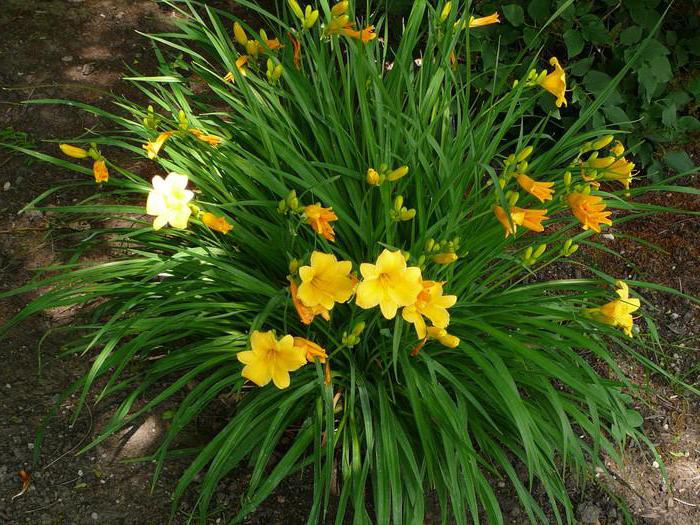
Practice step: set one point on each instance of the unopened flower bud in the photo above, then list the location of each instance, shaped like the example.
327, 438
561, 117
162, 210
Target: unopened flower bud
340, 8
446, 9
445, 258
525, 153
602, 142
397, 173
239, 34
373, 178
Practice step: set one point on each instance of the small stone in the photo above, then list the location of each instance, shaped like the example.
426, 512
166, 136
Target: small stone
590, 514
655, 464
88, 68
94, 516
6, 186
67, 58
80, 473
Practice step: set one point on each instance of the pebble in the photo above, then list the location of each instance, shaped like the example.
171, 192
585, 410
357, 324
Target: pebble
590, 514
94, 516
67, 58
6, 186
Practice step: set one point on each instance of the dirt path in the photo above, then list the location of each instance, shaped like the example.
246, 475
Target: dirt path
79, 49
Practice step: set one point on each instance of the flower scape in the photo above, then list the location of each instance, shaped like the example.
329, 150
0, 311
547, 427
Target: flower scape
346, 230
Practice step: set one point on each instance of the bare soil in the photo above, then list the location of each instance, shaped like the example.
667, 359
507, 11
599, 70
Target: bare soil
79, 49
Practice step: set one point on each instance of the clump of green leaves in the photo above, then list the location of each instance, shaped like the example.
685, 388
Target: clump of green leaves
656, 103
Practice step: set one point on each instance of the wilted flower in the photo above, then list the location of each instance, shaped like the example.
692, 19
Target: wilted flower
306, 314
311, 349
219, 224
99, 170
320, 219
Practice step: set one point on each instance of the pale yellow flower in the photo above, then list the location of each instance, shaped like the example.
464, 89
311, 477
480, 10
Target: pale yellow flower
219, 224
169, 201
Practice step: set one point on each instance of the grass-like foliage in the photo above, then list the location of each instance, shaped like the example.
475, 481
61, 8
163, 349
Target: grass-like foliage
360, 197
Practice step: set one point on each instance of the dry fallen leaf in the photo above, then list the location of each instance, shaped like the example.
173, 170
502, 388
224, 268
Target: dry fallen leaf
26, 480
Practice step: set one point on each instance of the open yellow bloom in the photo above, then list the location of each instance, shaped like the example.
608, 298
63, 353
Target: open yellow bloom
320, 218
555, 82
589, 210
431, 304
73, 151
271, 359
306, 314
99, 170
484, 20
617, 313
529, 218
326, 281
389, 284
542, 191
311, 349
219, 224
168, 201
153, 147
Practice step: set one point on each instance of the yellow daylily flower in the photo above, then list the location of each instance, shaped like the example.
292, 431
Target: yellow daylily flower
589, 210
555, 82
320, 218
99, 170
73, 151
271, 359
219, 224
529, 218
431, 303
389, 284
311, 349
169, 201
326, 281
542, 191
617, 313
153, 147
